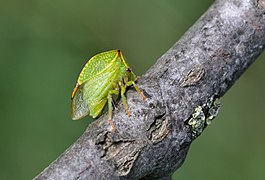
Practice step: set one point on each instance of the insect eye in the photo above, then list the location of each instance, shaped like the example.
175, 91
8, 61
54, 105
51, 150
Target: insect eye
128, 70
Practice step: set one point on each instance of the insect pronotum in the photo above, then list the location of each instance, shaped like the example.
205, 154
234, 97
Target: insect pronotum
104, 75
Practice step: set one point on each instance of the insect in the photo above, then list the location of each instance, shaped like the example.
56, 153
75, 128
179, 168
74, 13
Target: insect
104, 75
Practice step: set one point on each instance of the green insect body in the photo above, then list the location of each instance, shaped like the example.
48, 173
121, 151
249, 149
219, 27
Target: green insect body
104, 75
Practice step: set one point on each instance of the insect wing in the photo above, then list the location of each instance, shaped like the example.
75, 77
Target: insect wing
96, 64
79, 105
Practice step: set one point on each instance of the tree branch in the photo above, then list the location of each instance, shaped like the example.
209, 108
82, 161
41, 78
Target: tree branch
154, 141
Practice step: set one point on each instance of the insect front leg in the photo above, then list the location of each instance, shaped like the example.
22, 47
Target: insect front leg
129, 83
110, 93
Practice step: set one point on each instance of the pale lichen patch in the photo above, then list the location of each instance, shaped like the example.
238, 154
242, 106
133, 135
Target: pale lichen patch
203, 116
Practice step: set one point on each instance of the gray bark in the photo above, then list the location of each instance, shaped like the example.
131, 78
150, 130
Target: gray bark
154, 141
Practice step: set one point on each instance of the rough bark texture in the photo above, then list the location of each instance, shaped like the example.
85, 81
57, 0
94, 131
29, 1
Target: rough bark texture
154, 141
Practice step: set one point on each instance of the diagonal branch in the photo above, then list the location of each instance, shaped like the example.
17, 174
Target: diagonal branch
182, 88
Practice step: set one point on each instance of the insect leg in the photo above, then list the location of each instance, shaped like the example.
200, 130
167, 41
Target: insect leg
111, 92
123, 89
129, 83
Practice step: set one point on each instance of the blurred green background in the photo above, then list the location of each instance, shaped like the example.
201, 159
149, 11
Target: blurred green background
44, 45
